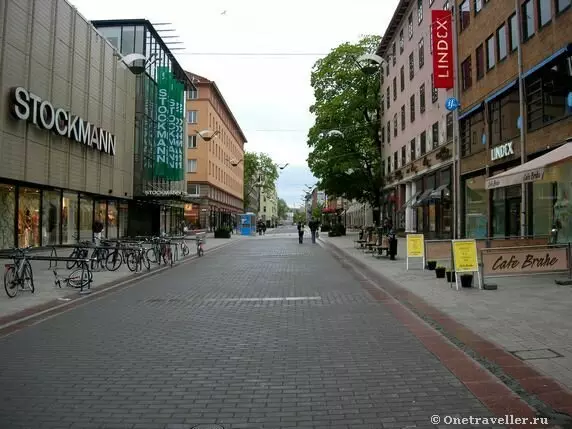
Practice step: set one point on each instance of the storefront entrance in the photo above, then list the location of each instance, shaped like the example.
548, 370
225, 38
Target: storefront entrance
506, 211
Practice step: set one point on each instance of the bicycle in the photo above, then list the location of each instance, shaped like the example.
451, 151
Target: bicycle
79, 252
18, 275
78, 278
138, 258
200, 250
184, 248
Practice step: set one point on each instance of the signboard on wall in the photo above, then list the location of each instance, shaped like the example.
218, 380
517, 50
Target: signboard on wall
443, 62
170, 122
524, 261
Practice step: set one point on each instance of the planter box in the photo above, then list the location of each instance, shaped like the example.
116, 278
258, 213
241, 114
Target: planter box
466, 280
431, 265
450, 277
440, 273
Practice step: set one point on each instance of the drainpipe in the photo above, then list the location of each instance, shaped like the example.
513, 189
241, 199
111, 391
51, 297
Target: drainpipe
455, 151
524, 194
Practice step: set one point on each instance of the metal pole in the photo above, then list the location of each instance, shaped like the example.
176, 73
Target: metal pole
523, 196
455, 151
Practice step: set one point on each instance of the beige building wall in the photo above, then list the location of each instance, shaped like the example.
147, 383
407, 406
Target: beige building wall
52, 51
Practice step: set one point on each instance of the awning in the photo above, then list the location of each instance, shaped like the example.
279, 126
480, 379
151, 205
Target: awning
530, 171
563, 51
470, 111
501, 91
424, 197
408, 202
438, 193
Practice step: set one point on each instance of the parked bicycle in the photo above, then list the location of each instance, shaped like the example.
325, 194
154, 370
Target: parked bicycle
78, 278
18, 275
138, 259
200, 250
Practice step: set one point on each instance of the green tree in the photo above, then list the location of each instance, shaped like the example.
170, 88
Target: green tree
282, 208
299, 216
317, 211
260, 174
347, 99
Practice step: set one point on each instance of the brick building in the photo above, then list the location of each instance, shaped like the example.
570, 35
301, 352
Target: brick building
490, 122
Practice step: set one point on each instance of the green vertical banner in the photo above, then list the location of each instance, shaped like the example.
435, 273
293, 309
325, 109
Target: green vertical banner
170, 122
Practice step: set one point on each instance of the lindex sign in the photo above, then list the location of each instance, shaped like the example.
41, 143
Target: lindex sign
168, 151
502, 151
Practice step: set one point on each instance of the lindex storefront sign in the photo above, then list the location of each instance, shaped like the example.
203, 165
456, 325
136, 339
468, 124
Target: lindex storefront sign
502, 151
168, 150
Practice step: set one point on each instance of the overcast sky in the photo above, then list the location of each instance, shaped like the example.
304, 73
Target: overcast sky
269, 95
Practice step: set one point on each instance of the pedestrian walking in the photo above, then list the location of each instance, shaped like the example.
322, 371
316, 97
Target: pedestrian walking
300, 233
97, 231
313, 224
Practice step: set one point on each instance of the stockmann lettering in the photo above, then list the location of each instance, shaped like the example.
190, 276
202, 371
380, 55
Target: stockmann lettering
502, 151
27, 106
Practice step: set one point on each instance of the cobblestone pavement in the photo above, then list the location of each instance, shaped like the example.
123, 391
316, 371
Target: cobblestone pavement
266, 333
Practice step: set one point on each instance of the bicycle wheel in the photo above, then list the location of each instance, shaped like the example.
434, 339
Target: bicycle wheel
185, 249
74, 254
145, 261
151, 255
80, 278
28, 277
113, 261
9, 282
132, 262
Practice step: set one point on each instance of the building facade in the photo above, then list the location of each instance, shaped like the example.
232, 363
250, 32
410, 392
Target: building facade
268, 208
417, 130
66, 127
215, 170
159, 177
489, 34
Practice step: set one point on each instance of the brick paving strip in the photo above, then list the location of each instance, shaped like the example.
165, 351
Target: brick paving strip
503, 383
17, 321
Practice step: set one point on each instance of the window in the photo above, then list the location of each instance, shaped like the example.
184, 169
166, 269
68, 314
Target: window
410, 26
434, 93
388, 132
382, 105
466, 74
191, 142
382, 135
402, 78
480, 57
191, 165
449, 129
403, 155
431, 39
435, 134
527, 20
513, 30
388, 97
394, 88
193, 189
393, 54
401, 42
421, 53
423, 143
544, 12
502, 48
471, 132
411, 66
192, 94
389, 164
478, 6
412, 107
412, 149
465, 14
419, 11
192, 116
562, 5
503, 117
547, 93
491, 58
395, 161
422, 98
403, 117
395, 125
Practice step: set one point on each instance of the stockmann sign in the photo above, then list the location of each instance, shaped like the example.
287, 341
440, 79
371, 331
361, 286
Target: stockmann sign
27, 106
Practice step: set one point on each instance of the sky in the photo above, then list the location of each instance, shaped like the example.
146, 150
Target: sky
268, 94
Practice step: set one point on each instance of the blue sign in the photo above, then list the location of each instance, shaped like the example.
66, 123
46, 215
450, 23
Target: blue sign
484, 139
569, 100
519, 123
452, 104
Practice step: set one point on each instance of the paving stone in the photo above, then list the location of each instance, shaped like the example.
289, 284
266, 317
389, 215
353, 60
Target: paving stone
174, 350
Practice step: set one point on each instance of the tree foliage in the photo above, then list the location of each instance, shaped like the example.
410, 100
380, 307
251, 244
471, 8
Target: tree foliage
299, 216
317, 211
347, 99
260, 174
282, 209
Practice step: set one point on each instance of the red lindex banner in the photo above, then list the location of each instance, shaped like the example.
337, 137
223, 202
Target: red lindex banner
442, 32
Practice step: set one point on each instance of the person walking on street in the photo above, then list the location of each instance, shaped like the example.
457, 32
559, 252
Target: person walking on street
97, 231
300, 233
313, 229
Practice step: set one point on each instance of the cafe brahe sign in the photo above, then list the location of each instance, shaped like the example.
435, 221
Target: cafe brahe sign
27, 106
524, 261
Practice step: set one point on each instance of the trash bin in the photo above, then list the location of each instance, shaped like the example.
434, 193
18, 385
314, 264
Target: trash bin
392, 246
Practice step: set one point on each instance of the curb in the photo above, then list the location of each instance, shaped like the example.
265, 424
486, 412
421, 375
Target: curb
38, 313
503, 383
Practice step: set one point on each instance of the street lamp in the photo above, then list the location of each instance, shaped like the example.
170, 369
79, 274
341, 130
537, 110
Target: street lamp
207, 135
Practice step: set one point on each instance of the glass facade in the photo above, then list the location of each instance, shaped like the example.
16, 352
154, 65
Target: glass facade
7, 212
85, 218
51, 215
476, 221
29, 217
506, 211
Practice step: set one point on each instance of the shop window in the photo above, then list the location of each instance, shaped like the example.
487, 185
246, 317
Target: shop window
112, 221
502, 47
471, 131
51, 215
476, 222
402, 78
562, 5
70, 217
506, 211
546, 94
491, 56
8, 210
421, 53
544, 12
513, 30
503, 118
544, 196
480, 59
403, 117
465, 14
412, 107
86, 218
528, 29
123, 219
411, 66
28, 217
466, 74
422, 98
128, 40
